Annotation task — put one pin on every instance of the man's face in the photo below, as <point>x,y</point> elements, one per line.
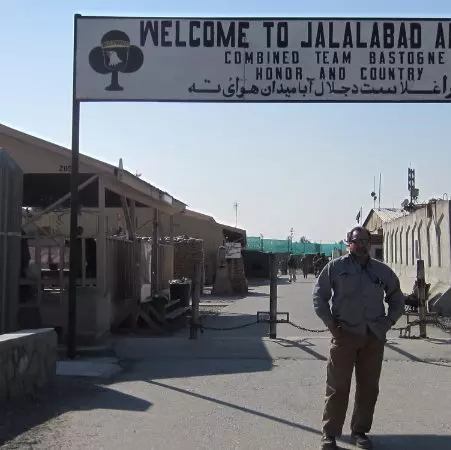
<point>360,243</point>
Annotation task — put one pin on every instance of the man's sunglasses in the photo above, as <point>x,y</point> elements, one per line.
<point>360,241</point>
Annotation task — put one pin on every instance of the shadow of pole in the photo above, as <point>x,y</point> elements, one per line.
<point>240,408</point>
<point>413,357</point>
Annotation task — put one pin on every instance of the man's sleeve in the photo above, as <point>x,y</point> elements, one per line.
<point>394,298</point>
<point>322,292</point>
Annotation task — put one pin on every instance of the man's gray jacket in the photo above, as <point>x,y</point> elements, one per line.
<point>357,294</point>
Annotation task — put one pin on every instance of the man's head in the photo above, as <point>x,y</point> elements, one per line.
<point>359,240</point>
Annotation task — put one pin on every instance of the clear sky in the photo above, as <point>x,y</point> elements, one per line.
<point>306,166</point>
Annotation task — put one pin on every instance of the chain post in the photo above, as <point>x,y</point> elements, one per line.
<point>421,284</point>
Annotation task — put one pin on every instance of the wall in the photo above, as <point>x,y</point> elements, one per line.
<point>206,229</point>
<point>95,313</point>
<point>374,223</point>
<point>423,234</point>
<point>27,362</point>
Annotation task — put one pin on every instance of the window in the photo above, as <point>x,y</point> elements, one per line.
<point>400,245</point>
<point>413,245</point>
<point>407,245</point>
<point>428,242</point>
<point>420,226</point>
<point>438,234</point>
<point>396,246</point>
<point>391,247</point>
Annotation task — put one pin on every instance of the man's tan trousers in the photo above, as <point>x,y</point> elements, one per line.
<point>365,353</point>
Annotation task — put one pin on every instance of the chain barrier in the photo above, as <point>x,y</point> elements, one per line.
<point>202,328</point>
<point>308,329</point>
<point>404,331</point>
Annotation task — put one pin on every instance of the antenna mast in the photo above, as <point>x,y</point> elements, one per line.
<point>235,205</point>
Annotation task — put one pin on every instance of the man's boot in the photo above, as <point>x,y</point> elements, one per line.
<point>361,440</point>
<point>328,443</point>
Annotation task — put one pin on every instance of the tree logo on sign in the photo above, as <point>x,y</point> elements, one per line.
<point>114,55</point>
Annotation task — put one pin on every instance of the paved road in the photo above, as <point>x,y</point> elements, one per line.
<point>239,391</point>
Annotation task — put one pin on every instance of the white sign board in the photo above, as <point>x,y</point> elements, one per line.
<point>233,250</point>
<point>263,60</point>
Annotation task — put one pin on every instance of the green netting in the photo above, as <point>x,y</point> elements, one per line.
<point>297,248</point>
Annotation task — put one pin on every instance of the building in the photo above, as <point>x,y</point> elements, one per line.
<point>108,276</point>
<point>423,234</point>
<point>374,223</point>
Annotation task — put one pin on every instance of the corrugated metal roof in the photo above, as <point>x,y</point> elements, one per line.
<point>389,214</point>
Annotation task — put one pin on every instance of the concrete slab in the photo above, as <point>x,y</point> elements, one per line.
<point>97,368</point>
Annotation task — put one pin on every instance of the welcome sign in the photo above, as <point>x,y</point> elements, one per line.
<point>262,59</point>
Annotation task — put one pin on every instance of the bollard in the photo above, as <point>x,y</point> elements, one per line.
<point>421,285</point>
<point>273,297</point>
<point>195,302</point>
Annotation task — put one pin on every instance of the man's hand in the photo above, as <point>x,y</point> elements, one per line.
<point>389,323</point>
<point>335,331</point>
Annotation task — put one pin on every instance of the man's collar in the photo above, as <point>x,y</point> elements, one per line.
<point>351,258</point>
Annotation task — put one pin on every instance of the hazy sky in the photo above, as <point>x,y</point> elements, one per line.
<point>306,166</point>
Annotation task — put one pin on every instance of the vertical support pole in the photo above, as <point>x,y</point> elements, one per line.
<point>61,267</point>
<point>273,297</point>
<point>83,260</point>
<point>170,253</point>
<point>74,206</point>
<point>154,261</point>
<point>101,238</point>
<point>195,301</point>
<point>421,283</point>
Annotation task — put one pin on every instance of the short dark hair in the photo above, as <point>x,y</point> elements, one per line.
<point>359,229</point>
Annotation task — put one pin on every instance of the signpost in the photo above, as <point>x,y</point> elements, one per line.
<point>245,60</point>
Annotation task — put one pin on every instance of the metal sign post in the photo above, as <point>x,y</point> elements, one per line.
<point>74,257</point>
<point>273,297</point>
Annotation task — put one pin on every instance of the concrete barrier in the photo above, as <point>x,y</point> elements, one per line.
<point>27,362</point>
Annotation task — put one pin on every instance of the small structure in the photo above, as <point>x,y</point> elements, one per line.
<point>374,223</point>
<point>109,281</point>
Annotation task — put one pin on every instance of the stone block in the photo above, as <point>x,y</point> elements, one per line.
<point>28,362</point>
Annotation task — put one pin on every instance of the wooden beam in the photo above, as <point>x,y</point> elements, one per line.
<point>61,200</point>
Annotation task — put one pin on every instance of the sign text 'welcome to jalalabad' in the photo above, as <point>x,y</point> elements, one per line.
<point>267,60</point>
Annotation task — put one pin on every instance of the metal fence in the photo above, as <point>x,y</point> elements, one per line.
<point>297,248</point>
<point>11,185</point>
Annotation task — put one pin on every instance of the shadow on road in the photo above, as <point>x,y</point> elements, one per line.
<point>413,442</point>
<point>69,394</point>
<point>303,345</point>
<point>237,407</point>
<point>411,356</point>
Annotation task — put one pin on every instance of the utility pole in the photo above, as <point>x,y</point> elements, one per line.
<point>235,205</point>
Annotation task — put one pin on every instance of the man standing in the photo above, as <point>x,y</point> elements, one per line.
<point>357,285</point>
<point>292,266</point>
<point>304,266</point>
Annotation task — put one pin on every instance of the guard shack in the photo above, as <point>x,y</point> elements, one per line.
<point>118,270</point>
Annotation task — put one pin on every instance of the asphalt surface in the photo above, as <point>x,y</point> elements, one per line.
<point>236,390</point>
